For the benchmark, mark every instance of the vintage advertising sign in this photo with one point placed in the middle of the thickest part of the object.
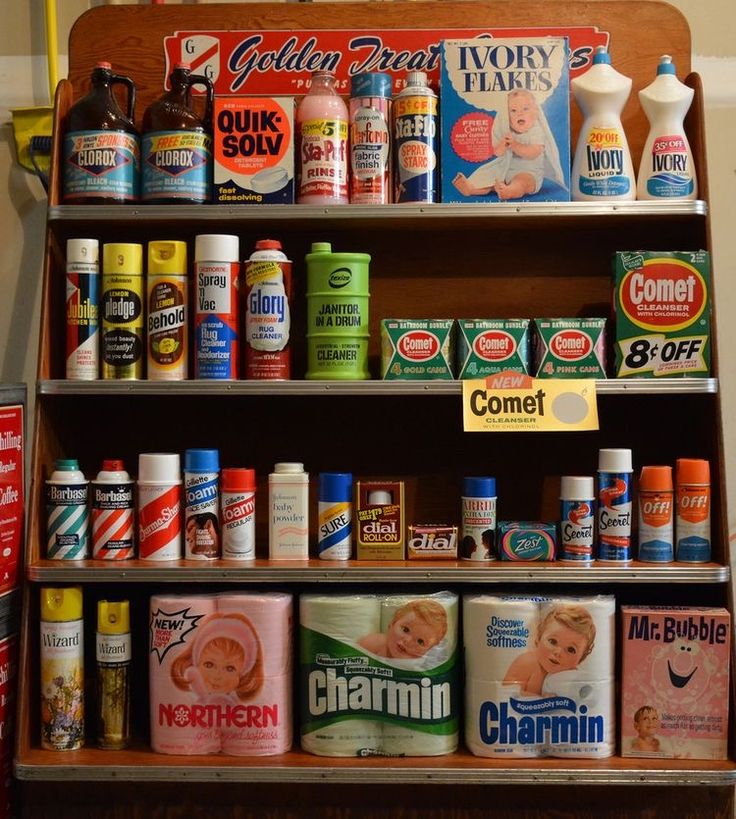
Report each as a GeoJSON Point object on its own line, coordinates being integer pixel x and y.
{"type": "Point", "coordinates": [281, 62]}
{"type": "Point", "coordinates": [11, 493]}
{"type": "Point", "coordinates": [513, 402]}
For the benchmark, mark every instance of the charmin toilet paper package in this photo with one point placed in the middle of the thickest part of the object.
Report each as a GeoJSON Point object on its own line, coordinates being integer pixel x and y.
{"type": "Point", "coordinates": [539, 676]}
{"type": "Point", "coordinates": [675, 687]}
{"type": "Point", "coordinates": [379, 675]}
{"type": "Point", "coordinates": [220, 673]}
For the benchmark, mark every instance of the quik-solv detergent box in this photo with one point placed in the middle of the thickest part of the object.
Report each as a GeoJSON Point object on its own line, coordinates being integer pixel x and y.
{"type": "Point", "coordinates": [662, 304]}
{"type": "Point", "coordinates": [254, 150]}
{"type": "Point", "coordinates": [505, 120]}
{"type": "Point", "coordinates": [675, 682]}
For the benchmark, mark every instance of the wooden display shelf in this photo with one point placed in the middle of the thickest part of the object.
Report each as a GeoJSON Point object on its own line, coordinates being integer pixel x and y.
{"type": "Point", "coordinates": [140, 764]}
{"type": "Point", "coordinates": [395, 571]}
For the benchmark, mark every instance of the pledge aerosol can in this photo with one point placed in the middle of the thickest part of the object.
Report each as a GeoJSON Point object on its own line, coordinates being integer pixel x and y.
{"type": "Point", "coordinates": [216, 314]}
{"type": "Point", "coordinates": [122, 311]}
{"type": "Point", "coordinates": [267, 312]}
{"type": "Point", "coordinates": [67, 517]}
{"type": "Point", "coordinates": [113, 513]}
{"type": "Point", "coordinates": [167, 299]}
{"type": "Point", "coordinates": [62, 669]}
{"type": "Point", "coordinates": [82, 309]}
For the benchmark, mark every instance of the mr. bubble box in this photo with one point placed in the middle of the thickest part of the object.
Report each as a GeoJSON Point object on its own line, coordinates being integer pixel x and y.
{"type": "Point", "coordinates": [505, 120]}
{"type": "Point", "coordinates": [662, 303]}
{"type": "Point", "coordinates": [254, 150]}
{"type": "Point", "coordinates": [675, 681]}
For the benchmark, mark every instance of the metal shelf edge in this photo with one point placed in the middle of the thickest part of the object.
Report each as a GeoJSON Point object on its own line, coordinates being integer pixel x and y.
{"type": "Point", "coordinates": [611, 386]}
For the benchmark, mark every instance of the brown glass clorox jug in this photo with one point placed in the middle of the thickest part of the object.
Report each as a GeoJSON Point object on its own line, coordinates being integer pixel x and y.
{"type": "Point", "coordinates": [101, 151]}
{"type": "Point", "coordinates": [177, 143]}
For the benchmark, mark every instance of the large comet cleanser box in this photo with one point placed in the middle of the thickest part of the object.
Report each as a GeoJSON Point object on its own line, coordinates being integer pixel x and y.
{"type": "Point", "coordinates": [662, 303]}
{"type": "Point", "coordinates": [505, 120]}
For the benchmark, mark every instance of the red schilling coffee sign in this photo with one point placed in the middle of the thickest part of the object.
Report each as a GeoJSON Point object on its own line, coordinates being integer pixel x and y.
{"type": "Point", "coordinates": [281, 62]}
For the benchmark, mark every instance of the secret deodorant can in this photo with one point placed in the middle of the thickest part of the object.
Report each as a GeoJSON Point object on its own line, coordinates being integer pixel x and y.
{"type": "Point", "coordinates": [614, 505]}
{"type": "Point", "coordinates": [216, 272]}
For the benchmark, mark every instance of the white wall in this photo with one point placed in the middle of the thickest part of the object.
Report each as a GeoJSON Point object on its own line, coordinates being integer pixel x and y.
{"type": "Point", "coordinates": [23, 82]}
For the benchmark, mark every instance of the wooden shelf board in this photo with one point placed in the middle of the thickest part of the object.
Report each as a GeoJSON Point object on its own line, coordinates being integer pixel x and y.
{"type": "Point", "coordinates": [141, 764]}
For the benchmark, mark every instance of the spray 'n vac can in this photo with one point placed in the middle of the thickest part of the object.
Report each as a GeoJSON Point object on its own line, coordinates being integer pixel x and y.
{"type": "Point", "coordinates": [167, 300]}
{"type": "Point", "coordinates": [82, 309]}
{"type": "Point", "coordinates": [370, 142]}
{"type": "Point", "coordinates": [62, 669]}
{"type": "Point", "coordinates": [416, 147]}
{"type": "Point", "coordinates": [122, 311]}
{"type": "Point", "coordinates": [267, 312]}
{"type": "Point", "coordinates": [67, 518]}
{"type": "Point", "coordinates": [113, 513]}
{"type": "Point", "coordinates": [217, 273]}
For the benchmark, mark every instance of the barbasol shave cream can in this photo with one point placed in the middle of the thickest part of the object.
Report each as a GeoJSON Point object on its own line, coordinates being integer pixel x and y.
{"type": "Point", "coordinates": [614, 505]}
{"type": "Point", "coordinates": [577, 499]}
{"type": "Point", "coordinates": [216, 314]}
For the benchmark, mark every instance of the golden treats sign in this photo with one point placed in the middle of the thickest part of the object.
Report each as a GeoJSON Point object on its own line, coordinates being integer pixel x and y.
{"type": "Point", "coordinates": [513, 402]}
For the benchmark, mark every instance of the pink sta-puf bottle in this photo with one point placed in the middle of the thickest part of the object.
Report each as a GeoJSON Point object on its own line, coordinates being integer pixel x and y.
{"type": "Point", "coordinates": [322, 144]}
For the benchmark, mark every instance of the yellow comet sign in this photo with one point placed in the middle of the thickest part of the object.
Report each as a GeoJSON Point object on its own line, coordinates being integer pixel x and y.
{"type": "Point", "coordinates": [513, 402]}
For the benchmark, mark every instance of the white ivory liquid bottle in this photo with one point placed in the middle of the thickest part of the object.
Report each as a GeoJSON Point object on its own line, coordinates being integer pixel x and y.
{"type": "Point", "coordinates": [601, 168]}
{"type": "Point", "coordinates": [667, 170]}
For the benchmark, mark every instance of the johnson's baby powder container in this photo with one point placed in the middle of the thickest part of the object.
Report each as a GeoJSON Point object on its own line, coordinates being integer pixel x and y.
{"type": "Point", "coordinates": [601, 168]}
{"type": "Point", "coordinates": [667, 170]}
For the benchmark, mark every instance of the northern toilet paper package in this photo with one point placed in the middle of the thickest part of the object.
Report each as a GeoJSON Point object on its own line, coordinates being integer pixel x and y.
{"type": "Point", "coordinates": [220, 673]}
{"type": "Point", "coordinates": [539, 676]}
{"type": "Point", "coordinates": [379, 674]}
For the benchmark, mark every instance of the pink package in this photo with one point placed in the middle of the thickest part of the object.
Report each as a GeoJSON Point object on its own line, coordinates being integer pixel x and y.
{"type": "Point", "coordinates": [220, 674]}
{"type": "Point", "coordinates": [675, 682]}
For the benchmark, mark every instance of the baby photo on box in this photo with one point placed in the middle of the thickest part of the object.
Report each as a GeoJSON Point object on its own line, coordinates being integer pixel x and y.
{"type": "Point", "coordinates": [675, 682]}
{"type": "Point", "coordinates": [505, 120]}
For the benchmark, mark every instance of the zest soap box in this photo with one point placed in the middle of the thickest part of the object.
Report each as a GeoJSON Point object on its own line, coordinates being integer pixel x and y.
{"type": "Point", "coordinates": [526, 540]}
{"type": "Point", "coordinates": [675, 682]}
{"type": "Point", "coordinates": [254, 150]}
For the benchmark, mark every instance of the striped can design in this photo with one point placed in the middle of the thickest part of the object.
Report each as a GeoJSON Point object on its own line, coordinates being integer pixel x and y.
{"type": "Point", "coordinates": [67, 521]}
{"type": "Point", "coordinates": [113, 521]}
{"type": "Point", "coordinates": [159, 521]}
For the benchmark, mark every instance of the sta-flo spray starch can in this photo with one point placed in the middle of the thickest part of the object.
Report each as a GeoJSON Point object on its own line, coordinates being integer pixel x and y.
{"type": "Point", "coordinates": [122, 311]}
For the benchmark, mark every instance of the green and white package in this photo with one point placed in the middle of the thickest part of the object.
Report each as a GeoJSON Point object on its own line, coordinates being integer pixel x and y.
{"type": "Point", "coordinates": [417, 349]}
{"type": "Point", "coordinates": [490, 346]}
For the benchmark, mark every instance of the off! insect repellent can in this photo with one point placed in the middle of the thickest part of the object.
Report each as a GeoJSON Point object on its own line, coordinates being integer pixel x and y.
{"type": "Point", "coordinates": [217, 273]}
{"type": "Point", "coordinates": [692, 527]}
{"type": "Point", "coordinates": [82, 309]}
{"type": "Point", "coordinates": [167, 311]}
{"type": "Point", "coordinates": [656, 504]}
{"type": "Point", "coordinates": [122, 311]}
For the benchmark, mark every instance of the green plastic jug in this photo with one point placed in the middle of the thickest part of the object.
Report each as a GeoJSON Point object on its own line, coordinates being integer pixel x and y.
{"type": "Point", "coordinates": [337, 314]}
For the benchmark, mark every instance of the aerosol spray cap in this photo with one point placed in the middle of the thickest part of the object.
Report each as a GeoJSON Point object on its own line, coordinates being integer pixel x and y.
{"type": "Point", "coordinates": [113, 618]}
{"type": "Point", "coordinates": [61, 605]}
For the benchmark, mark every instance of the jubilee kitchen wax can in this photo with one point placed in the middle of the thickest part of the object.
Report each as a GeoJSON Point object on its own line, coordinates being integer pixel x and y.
{"type": "Point", "coordinates": [82, 309]}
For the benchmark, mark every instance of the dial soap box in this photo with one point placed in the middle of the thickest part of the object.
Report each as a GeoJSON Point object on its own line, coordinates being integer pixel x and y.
{"type": "Point", "coordinates": [505, 120]}
{"type": "Point", "coordinates": [675, 682]}
{"type": "Point", "coordinates": [662, 303]}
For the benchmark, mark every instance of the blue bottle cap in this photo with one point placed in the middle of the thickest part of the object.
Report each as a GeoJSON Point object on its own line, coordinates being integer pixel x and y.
{"type": "Point", "coordinates": [336, 486]}
{"type": "Point", "coordinates": [601, 56]}
{"type": "Point", "coordinates": [371, 84]}
{"type": "Point", "coordinates": [666, 66]}
{"type": "Point", "coordinates": [479, 487]}
{"type": "Point", "coordinates": [201, 460]}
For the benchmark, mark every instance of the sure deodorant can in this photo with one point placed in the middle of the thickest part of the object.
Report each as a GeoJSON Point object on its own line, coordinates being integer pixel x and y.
{"type": "Point", "coordinates": [66, 512]}
{"type": "Point", "coordinates": [159, 506]}
{"type": "Point", "coordinates": [167, 299]}
{"type": "Point", "coordinates": [614, 505]}
{"type": "Point", "coordinates": [62, 669]}
{"type": "Point", "coordinates": [656, 506]}
{"type": "Point", "coordinates": [692, 529]}
{"type": "Point", "coordinates": [202, 504]}
{"type": "Point", "coordinates": [113, 513]}
{"type": "Point", "coordinates": [238, 513]}
{"type": "Point", "coordinates": [267, 312]}
{"type": "Point", "coordinates": [577, 500]}
{"type": "Point", "coordinates": [122, 311]}
{"type": "Point", "coordinates": [335, 528]}
{"type": "Point", "coordinates": [82, 309]}
{"type": "Point", "coordinates": [217, 272]}
{"type": "Point", "coordinates": [478, 517]}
